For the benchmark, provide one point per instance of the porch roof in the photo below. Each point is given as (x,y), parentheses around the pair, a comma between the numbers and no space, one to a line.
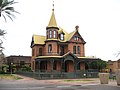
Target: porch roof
(87,58)
(48,57)
(90,58)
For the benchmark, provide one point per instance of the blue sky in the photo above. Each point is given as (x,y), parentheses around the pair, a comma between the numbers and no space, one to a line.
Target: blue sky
(99,22)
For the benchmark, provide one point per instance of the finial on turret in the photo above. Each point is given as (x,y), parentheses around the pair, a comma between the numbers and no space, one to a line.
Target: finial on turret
(53,6)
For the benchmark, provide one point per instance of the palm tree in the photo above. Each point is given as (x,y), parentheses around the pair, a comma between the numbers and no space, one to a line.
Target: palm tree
(6,9)
(2,56)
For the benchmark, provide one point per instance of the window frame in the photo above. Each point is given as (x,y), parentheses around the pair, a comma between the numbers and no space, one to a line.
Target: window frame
(76,38)
(50,33)
(49,48)
(54,34)
(78,48)
(40,52)
(62,36)
(74,49)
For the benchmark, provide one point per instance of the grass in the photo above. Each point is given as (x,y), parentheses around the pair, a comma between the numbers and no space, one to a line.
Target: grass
(9,77)
(78,80)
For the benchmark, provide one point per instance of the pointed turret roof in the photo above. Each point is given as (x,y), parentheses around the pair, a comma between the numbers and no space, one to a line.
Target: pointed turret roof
(52,22)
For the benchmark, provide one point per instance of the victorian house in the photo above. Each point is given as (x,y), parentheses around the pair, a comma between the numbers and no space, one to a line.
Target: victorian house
(59,51)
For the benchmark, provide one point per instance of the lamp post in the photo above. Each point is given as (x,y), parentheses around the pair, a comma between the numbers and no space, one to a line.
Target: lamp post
(11,68)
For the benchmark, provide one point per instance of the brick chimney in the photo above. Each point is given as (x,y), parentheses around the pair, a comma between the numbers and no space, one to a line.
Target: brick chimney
(77,27)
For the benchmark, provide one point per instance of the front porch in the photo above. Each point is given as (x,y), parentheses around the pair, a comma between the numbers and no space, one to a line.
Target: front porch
(68,63)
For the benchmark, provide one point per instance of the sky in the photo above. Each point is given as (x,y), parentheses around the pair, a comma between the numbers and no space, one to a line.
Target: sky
(98,20)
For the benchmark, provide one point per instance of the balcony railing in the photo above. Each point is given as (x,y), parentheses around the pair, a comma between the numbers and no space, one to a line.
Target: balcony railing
(55,53)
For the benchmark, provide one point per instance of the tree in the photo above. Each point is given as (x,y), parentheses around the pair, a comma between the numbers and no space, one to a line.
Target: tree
(101,64)
(2,56)
(6,9)
(2,61)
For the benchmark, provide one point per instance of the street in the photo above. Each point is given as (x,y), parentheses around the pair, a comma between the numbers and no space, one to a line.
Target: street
(58,84)
(56,87)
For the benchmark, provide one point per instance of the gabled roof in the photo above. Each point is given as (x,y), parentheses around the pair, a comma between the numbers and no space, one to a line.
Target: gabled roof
(71,34)
(37,39)
(69,53)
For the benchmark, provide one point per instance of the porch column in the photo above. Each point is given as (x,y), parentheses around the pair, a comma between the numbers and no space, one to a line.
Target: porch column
(75,67)
(52,61)
(35,66)
(62,65)
(39,65)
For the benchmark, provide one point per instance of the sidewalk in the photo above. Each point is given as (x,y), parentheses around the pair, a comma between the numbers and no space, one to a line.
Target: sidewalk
(85,81)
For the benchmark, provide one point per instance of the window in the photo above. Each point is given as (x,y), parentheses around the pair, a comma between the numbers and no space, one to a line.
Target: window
(22,63)
(74,49)
(61,36)
(78,48)
(49,48)
(47,34)
(33,51)
(76,38)
(54,34)
(40,51)
(50,34)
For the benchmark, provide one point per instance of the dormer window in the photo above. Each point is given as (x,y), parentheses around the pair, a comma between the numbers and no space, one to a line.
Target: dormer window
(76,38)
(61,36)
(50,34)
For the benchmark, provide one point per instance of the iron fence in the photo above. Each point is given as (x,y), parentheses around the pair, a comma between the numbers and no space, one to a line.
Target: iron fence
(59,75)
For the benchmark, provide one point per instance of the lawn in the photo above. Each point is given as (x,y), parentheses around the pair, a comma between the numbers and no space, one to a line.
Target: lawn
(78,80)
(9,77)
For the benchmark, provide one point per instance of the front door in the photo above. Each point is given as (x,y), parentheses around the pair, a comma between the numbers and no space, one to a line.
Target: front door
(69,66)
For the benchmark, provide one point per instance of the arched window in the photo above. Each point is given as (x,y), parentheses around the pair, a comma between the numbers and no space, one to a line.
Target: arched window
(40,51)
(61,36)
(74,49)
(33,52)
(54,34)
(50,34)
(49,48)
(78,48)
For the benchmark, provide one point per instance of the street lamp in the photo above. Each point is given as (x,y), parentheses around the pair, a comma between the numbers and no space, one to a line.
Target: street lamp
(11,68)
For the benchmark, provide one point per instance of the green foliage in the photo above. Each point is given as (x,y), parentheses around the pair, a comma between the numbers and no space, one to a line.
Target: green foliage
(78,80)
(9,77)
(26,68)
(6,9)
(2,58)
(100,64)
(5,68)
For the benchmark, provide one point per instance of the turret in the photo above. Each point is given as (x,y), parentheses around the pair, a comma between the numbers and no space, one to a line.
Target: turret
(52,28)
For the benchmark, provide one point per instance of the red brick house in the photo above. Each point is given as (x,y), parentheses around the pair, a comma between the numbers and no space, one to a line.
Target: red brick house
(59,51)
(113,65)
